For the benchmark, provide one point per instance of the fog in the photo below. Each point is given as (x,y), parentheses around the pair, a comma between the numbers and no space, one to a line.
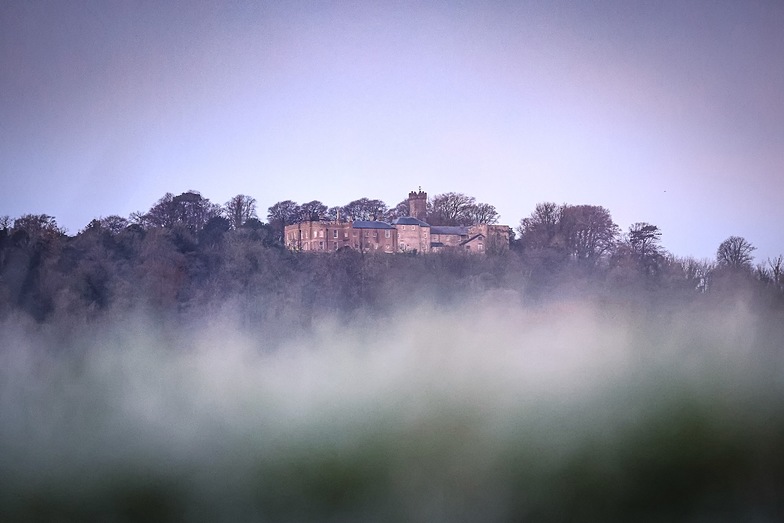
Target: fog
(488,410)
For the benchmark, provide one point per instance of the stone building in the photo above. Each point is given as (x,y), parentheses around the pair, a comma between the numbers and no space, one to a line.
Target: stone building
(317,236)
(364,236)
(406,234)
(413,235)
(478,239)
(374,236)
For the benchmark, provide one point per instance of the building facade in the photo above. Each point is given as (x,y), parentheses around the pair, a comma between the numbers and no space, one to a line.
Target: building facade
(409,234)
(323,236)
(413,234)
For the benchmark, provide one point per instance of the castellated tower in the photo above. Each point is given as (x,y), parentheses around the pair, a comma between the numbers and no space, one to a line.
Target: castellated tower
(417,204)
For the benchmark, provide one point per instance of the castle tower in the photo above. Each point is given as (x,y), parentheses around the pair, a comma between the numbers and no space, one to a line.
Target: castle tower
(417,204)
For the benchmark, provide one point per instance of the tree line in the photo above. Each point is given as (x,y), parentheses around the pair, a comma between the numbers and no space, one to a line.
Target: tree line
(187,255)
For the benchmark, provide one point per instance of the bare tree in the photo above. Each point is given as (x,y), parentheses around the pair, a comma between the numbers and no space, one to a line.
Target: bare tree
(735,252)
(239,209)
(162,214)
(483,213)
(450,209)
(542,228)
(38,226)
(588,230)
(695,273)
(776,270)
(114,224)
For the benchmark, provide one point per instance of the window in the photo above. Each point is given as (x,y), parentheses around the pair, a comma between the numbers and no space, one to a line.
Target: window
(345,234)
(321,246)
(367,234)
(387,234)
(335,233)
(321,234)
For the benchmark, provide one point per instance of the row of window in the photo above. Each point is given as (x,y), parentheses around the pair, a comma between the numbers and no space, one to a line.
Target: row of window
(412,228)
(335,234)
(312,246)
(336,245)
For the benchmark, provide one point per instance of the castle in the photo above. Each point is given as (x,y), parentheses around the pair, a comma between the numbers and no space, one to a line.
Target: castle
(407,234)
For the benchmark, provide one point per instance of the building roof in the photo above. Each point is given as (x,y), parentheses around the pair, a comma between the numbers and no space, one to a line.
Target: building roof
(369,224)
(410,220)
(449,229)
(472,238)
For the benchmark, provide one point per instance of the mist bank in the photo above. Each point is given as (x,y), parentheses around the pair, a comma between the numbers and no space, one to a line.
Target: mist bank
(165,375)
(478,409)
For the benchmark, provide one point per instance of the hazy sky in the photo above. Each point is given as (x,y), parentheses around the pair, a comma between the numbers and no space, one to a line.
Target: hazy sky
(665,112)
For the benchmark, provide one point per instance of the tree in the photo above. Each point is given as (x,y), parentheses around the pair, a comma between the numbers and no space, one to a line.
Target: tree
(773,273)
(483,213)
(189,209)
(312,211)
(642,245)
(542,228)
(398,211)
(194,211)
(282,214)
(213,231)
(644,238)
(239,209)
(255,230)
(695,273)
(364,209)
(110,224)
(335,214)
(588,230)
(735,253)
(114,224)
(450,209)
(162,214)
(38,226)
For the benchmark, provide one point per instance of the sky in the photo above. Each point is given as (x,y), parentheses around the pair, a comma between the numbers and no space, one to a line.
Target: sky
(670,113)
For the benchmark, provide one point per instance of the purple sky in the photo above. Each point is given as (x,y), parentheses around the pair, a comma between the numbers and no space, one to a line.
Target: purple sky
(665,112)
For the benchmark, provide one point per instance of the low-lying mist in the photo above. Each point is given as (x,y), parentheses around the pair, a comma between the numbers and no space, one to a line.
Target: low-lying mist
(489,411)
